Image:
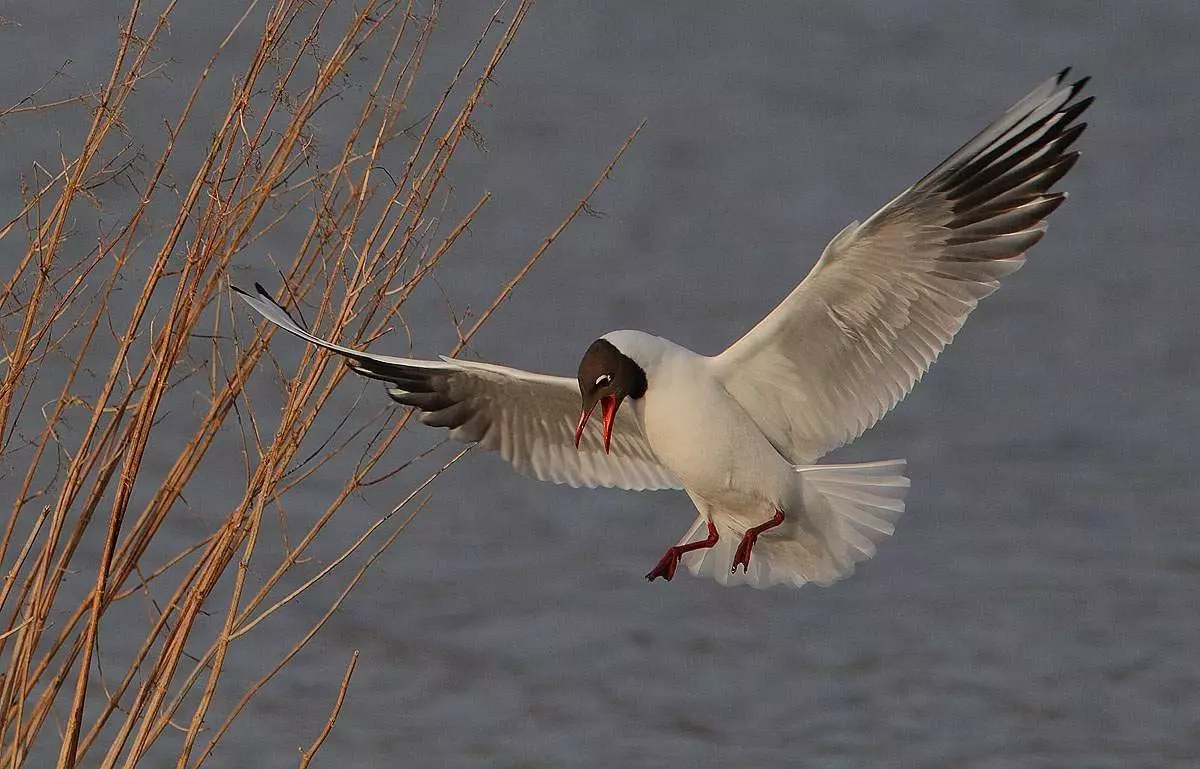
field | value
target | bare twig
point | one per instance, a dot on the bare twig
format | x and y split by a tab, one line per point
553	236
306	756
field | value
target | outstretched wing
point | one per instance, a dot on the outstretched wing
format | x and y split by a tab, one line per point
887	295
529	418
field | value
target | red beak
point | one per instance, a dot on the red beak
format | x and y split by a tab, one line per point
583	420
609	404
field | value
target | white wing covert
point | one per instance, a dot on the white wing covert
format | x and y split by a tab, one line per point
850	341
529	418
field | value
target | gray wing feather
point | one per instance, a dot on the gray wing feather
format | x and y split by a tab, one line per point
529	418
887	295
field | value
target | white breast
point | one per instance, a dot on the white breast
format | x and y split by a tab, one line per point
704	436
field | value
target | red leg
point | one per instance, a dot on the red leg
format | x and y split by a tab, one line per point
666	564
742	556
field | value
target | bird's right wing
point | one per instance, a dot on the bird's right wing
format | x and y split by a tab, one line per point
529	418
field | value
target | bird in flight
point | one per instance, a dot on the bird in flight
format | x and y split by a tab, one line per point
740	432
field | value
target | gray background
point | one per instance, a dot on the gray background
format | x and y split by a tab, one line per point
1036	606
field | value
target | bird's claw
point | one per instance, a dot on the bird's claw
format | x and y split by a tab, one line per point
666	565
742	556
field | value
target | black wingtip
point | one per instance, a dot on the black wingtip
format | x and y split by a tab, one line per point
262	291
1075	110
1077	86
1066	163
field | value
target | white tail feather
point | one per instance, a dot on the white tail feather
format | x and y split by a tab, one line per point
838	515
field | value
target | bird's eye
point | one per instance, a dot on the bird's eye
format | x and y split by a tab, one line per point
603	380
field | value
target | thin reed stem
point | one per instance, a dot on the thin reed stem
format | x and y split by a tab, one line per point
142	477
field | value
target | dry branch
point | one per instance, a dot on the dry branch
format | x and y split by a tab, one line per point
124	369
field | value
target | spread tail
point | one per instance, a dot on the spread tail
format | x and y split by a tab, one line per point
838	515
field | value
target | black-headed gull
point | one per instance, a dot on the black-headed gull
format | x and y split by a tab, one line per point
740	431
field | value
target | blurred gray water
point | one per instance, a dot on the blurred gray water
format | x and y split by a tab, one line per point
1037	605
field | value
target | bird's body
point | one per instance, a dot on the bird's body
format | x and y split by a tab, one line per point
700	432
740	431
738	480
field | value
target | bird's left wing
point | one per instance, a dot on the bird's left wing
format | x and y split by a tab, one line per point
887	295
529	418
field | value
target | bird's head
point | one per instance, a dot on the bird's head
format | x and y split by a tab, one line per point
606	377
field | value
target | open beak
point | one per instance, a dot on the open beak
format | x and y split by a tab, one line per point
583	420
609	404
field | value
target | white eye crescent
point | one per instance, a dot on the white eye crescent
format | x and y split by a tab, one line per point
603	380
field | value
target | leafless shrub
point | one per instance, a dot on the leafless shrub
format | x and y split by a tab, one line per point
151	294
